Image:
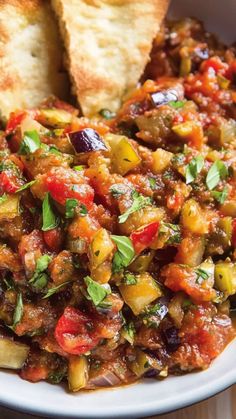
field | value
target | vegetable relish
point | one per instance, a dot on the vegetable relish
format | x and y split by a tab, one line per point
118	233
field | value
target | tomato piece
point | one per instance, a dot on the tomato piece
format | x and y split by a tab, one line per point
144	237
63	184
183	278
17	117
53	239
231	72
9	182
216	64
74	332
234	232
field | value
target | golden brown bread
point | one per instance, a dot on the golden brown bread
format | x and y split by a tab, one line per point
30	55
108	44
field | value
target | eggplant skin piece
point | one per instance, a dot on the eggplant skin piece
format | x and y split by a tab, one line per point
31	61
12	354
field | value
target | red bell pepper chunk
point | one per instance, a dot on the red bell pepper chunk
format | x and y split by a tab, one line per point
9	183
53	239
143	237
234	233
75	332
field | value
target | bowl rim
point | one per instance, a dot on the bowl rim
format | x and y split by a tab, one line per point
208	389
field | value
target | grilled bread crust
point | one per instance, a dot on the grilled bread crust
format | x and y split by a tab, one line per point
108	44
30	55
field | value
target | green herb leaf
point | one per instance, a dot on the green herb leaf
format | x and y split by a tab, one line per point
53	149
117	190
53	290
129	279
30	143
217	172
152	183
139	202
178	104
107	114
96	291
128	332
202	275
78	168
194	168
220	196
50	220
26	186
71	204
173	232
18	313
40	278
124	254
3	198
83	210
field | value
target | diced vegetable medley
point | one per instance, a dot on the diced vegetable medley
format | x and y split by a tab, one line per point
118	233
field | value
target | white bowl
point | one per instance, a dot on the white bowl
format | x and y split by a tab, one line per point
148	397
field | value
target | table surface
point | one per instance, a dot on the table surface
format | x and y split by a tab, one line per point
222	406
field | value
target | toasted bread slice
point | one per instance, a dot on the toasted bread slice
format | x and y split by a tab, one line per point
108	44
30	58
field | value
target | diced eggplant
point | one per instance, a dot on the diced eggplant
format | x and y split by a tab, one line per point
142	262
9	208
143	363
55	118
101	247
124	156
161	160
12	354
77	373
140	294
225	277
86	140
193	219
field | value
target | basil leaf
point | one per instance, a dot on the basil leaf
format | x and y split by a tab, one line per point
83	210
53	290
139	202
26	186
30	143
71	204
125	253
40	278
3	198
129	279
18	313
193	168
50	221
96	291
217	172
220	196
178	104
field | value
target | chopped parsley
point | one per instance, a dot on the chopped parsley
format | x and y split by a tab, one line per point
177	105
194	168
152	183
40	278
50	221
128	332
217	172
3	198
26	186
124	254
139	202
96	292
107	114
83	210
220	196
53	290
18	313
117	190
201	275
30	143
129	279
71	204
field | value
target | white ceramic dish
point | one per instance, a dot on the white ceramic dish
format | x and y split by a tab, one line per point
147	397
